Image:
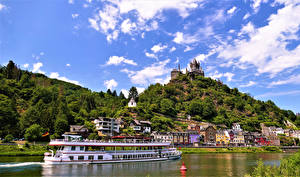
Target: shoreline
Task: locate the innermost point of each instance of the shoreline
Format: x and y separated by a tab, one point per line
39	150
265	149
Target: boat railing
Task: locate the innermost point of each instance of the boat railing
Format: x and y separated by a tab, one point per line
109	141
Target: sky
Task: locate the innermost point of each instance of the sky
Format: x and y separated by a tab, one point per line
252	45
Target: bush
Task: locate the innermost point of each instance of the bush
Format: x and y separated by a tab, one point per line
8	138
288	167
33	133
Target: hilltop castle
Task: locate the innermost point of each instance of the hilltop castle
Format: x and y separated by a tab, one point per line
195	70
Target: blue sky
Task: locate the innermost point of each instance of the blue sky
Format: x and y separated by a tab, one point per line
249	44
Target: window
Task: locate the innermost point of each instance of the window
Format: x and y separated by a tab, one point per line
81	148
73	148
100	157
91	157
80	157
71	157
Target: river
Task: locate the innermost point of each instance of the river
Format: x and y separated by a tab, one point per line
229	164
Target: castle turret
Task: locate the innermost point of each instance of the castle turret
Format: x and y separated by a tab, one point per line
196	69
175	72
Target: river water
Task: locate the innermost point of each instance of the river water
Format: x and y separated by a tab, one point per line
211	164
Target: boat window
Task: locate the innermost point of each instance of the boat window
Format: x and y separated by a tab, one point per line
71	157
100	157
81	148
80	157
91	157
73	148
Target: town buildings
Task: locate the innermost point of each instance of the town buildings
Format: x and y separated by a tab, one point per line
141	126
107	126
196	134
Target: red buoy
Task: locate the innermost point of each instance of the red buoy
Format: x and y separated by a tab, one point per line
183	168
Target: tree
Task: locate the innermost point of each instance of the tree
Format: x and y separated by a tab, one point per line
60	126
121	95
209	110
114	93
195	108
8	138
108	91
133	93
33	133
8	115
167	107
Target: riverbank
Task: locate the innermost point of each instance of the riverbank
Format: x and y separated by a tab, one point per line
22	150
39	150
231	150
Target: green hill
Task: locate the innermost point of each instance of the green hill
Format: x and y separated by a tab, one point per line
208	100
27	99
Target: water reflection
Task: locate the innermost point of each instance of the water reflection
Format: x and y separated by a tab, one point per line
197	165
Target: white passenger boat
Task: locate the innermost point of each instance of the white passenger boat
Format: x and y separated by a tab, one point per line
72	149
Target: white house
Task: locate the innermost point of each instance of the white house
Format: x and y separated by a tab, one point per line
236	127
131	103
107	126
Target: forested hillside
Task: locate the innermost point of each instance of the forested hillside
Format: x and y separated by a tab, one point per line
208	100
27	99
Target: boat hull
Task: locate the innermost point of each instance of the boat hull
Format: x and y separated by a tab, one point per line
53	161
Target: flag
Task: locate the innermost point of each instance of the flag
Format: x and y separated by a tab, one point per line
45	134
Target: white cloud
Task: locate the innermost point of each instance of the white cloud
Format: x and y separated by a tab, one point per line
251	83
127	26
256	4
178	38
75	16
42	53
232	10
295	79
55	75
172	49
140	89
71	1
150	74
2	6
36	68
158	48
116	60
112	36
272	94
150	55
217	75
200	57
153	7
94	24
188	48
181	38
26	65
247	29
68	65
125	92
266	48
109	84
108	18
247	15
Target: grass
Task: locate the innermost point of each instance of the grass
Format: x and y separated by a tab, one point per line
230	150
21	150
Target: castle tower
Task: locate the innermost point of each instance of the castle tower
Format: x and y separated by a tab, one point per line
196	69
175	72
